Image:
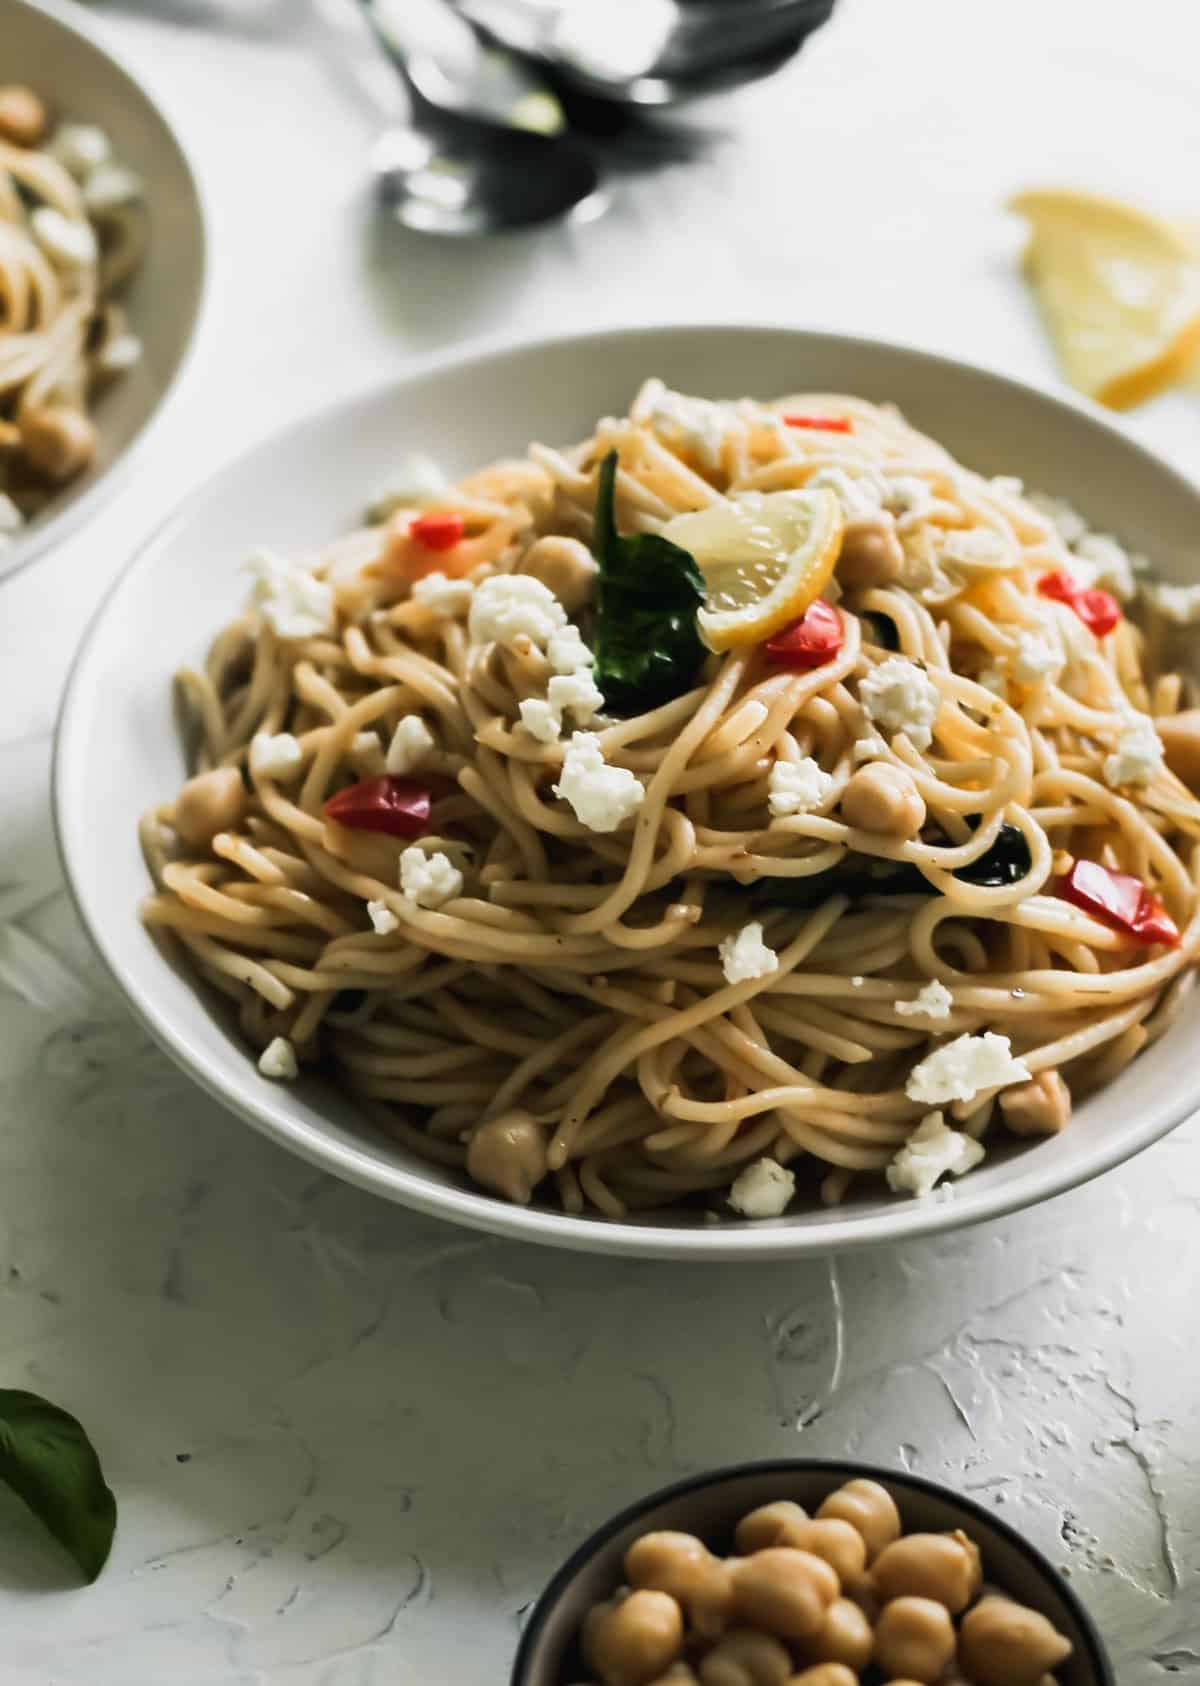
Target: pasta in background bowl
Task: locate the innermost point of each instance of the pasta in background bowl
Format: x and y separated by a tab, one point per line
486	406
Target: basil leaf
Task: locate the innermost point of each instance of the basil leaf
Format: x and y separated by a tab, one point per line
648	591
48	1460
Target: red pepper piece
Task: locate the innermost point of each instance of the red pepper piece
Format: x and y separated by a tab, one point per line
1120	900
823	424
440	529
1098	610
811	641
399	807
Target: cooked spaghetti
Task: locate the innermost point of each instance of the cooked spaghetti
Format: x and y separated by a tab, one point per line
70	237
588	913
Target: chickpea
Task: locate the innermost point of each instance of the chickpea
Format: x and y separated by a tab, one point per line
914	1638
23	116
628	1641
508	1154
825	1674
57	441
1006	1644
784	1591
845	1637
211	802
746	1658
769	1525
871	553
870	1508
936	1566
1180	734
883	799
840	1544
683	1566
1039	1108
679	1674
566	567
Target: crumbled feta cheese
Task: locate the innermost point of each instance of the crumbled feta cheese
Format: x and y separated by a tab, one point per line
860	495
383	920
1177	603
797	787
443	595
1100	561
1008	485
429	880
902	698
68	242
293	601
602	796
868	749
110	186
411	743
691	425
508	606
1062	516
993	678
80	148
745	955
540	720
566	651
932	1002
1138	755
119	354
275	757
932	1151
415	480
1035	659
762	1190
278	1060
978	549
11	519
964	1068
576	692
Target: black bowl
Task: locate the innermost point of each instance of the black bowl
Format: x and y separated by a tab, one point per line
710	1506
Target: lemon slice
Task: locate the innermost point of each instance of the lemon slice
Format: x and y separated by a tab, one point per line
765	557
1119	289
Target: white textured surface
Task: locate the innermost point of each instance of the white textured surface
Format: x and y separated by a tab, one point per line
348	1444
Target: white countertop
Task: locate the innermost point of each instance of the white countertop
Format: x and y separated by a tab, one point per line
349	1445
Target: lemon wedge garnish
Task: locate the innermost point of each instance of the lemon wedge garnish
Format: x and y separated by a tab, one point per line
1119	289
765	557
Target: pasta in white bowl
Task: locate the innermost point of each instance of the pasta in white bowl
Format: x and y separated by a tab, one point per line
609	867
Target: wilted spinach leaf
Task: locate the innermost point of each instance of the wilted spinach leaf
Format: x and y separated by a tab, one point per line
1006	862
48	1460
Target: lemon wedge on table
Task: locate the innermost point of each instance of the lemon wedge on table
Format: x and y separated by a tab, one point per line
765	557
1119	289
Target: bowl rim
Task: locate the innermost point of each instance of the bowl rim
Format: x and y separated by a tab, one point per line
842	1470
271	1114
38	539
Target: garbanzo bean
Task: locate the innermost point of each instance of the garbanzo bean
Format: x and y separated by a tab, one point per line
628	1641
871	553
936	1566
845	1637
566	567
914	1638
746	1658
682	1565
784	1591
211	802
57	441
508	1154
883	799
840	1544
870	1508
1006	1644
23	117
825	1674
769	1525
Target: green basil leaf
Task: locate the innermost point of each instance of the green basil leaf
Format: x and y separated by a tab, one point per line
648	592
48	1460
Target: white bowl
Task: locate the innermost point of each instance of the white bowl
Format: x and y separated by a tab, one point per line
118	749
62	54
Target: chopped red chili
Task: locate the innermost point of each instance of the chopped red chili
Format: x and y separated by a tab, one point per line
439	529
811	641
399	807
1098	610
823	424
1120	900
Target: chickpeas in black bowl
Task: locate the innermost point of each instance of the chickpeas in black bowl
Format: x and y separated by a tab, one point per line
809	1573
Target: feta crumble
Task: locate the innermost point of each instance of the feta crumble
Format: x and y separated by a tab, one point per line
1138	755
576	693
931	1152
860	495
66	241
901	698
566	651
429	880
601	796
415	480
691	425
540	720
411	743
1101	562
383	920
443	595
1035	659
993	678
746	955
964	1068
1177	603
119	354
278	1060
933	1002
292	600
797	787
506	607
762	1190
275	757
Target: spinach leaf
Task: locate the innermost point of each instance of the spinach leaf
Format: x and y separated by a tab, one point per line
1006	862
648	591
48	1460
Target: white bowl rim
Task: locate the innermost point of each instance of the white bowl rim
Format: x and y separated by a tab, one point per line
720	1243
60	526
